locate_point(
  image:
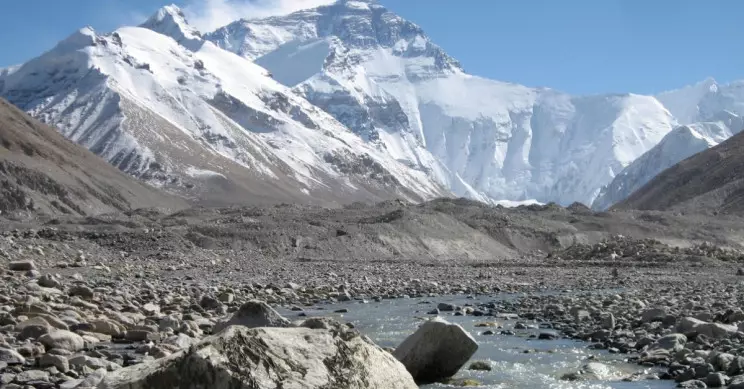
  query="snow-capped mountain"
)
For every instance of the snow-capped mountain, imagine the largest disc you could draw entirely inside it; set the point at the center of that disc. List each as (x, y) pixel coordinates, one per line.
(381, 76)
(710, 114)
(704, 101)
(163, 104)
(682, 143)
(348, 101)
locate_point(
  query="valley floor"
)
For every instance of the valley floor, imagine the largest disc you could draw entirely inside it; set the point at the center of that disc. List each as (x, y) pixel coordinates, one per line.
(154, 277)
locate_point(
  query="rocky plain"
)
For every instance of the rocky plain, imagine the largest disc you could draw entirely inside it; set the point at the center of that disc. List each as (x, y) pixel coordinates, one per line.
(158, 299)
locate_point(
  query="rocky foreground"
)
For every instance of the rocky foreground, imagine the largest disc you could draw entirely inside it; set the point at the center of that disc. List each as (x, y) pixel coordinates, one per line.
(81, 325)
(86, 301)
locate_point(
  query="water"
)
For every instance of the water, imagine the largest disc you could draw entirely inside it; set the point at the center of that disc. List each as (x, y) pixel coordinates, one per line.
(391, 321)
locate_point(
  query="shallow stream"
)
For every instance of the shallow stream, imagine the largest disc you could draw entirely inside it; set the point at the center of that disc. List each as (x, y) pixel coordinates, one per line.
(517, 362)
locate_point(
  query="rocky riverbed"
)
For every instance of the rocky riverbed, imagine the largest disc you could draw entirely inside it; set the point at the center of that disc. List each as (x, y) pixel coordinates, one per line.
(81, 299)
(62, 324)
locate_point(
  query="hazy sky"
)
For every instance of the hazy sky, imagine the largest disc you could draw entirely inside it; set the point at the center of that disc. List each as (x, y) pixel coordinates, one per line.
(577, 46)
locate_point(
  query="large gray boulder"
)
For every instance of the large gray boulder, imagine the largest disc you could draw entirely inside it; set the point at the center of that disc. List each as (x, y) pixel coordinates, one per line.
(263, 358)
(711, 330)
(62, 339)
(437, 350)
(253, 314)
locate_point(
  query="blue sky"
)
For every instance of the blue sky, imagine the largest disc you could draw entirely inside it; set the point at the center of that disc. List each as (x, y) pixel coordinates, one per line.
(577, 46)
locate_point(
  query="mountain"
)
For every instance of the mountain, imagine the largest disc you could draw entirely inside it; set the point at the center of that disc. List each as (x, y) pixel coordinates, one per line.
(383, 78)
(704, 101)
(711, 113)
(710, 181)
(42, 172)
(162, 104)
(681, 143)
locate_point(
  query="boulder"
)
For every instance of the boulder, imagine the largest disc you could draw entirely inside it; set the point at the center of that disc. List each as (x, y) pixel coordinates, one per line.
(298, 357)
(11, 356)
(253, 314)
(437, 350)
(107, 327)
(592, 371)
(22, 266)
(653, 314)
(62, 339)
(711, 330)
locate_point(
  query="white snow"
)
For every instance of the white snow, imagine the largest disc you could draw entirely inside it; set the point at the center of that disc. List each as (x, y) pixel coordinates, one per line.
(226, 104)
(484, 139)
(681, 143)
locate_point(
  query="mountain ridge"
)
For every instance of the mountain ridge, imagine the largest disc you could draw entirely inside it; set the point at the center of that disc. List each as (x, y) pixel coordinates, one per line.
(195, 119)
(404, 117)
(41, 172)
(710, 181)
(382, 77)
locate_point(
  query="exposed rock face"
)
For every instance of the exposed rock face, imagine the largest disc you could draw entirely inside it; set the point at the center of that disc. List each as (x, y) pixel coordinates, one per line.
(263, 358)
(253, 314)
(437, 350)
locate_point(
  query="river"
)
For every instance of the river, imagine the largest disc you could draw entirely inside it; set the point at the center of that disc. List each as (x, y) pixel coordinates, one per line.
(517, 361)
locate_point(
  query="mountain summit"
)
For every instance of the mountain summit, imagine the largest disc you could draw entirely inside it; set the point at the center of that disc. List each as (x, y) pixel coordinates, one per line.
(382, 77)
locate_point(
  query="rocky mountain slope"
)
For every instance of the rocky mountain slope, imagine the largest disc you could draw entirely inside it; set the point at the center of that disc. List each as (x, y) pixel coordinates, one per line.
(681, 143)
(164, 105)
(710, 181)
(383, 77)
(42, 172)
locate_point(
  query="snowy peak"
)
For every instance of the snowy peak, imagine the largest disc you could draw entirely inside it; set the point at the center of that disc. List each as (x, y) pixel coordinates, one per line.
(171, 21)
(705, 100)
(683, 142)
(200, 120)
(358, 25)
(685, 103)
(81, 38)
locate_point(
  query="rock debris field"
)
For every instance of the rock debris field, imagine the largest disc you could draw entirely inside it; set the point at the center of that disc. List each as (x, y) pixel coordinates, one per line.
(150, 299)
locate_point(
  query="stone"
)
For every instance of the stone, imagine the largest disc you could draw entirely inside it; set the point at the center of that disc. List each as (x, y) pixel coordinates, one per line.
(62, 339)
(437, 350)
(692, 384)
(548, 336)
(93, 380)
(480, 365)
(592, 371)
(209, 303)
(253, 314)
(81, 291)
(608, 321)
(33, 331)
(297, 357)
(700, 327)
(716, 380)
(653, 314)
(32, 328)
(445, 307)
(31, 375)
(107, 327)
(11, 357)
(58, 361)
(139, 335)
(22, 266)
(48, 281)
(227, 298)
